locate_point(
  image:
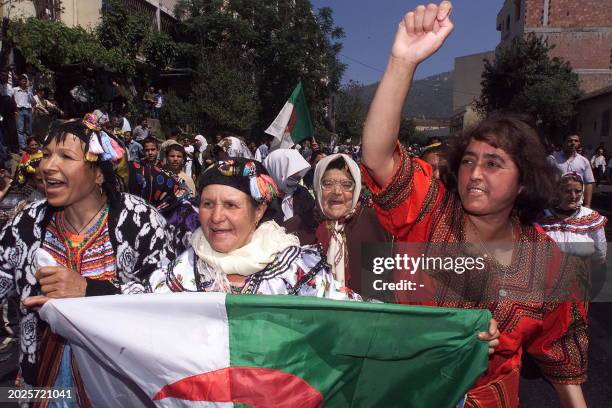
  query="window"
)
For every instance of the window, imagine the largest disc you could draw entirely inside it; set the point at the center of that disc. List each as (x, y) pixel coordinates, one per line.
(517, 10)
(605, 123)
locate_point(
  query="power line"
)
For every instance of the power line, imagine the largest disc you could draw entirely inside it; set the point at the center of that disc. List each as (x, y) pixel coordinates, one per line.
(362, 63)
(381, 71)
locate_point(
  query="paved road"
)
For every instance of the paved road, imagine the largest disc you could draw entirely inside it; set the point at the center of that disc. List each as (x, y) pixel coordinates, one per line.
(536, 392)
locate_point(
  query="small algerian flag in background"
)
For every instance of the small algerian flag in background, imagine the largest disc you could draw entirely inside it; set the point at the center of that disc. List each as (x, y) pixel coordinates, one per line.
(216, 350)
(293, 123)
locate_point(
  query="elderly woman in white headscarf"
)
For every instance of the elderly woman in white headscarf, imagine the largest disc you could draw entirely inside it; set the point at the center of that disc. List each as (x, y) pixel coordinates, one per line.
(287, 167)
(347, 222)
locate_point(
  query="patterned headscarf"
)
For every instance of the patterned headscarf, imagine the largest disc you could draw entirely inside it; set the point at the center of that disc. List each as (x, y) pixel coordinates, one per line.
(246, 175)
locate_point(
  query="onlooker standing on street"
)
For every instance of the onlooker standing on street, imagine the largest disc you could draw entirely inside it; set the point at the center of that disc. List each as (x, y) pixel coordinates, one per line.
(8, 131)
(150, 100)
(598, 163)
(141, 132)
(24, 100)
(159, 102)
(134, 149)
(569, 160)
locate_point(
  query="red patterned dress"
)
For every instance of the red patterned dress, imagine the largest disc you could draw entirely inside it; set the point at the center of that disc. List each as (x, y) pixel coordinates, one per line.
(416, 208)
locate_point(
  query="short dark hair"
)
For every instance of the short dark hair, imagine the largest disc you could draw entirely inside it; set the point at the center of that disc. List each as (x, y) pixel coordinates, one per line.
(150, 140)
(523, 145)
(34, 138)
(177, 148)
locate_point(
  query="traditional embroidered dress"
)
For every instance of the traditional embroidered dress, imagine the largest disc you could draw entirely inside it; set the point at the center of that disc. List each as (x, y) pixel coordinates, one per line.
(416, 208)
(273, 263)
(140, 244)
(582, 233)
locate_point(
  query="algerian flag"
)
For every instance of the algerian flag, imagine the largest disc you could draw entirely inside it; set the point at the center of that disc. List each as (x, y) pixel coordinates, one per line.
(293, 123)
(196, 349)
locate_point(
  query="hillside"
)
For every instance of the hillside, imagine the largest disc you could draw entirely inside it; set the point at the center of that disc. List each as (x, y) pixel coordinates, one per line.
(430, 97)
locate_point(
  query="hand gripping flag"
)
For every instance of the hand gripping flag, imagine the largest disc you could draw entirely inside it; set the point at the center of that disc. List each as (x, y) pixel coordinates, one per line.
(293, 123)
(195, 349)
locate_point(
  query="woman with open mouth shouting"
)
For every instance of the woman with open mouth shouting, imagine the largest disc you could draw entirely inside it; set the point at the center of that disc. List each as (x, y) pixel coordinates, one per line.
(85, 239)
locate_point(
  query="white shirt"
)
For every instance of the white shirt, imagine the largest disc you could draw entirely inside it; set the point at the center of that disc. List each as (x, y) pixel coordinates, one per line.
(23, 97)
(577, 163)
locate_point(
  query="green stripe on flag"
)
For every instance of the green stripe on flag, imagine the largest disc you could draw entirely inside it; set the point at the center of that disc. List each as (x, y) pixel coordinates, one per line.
(361, 354)
(302, 127)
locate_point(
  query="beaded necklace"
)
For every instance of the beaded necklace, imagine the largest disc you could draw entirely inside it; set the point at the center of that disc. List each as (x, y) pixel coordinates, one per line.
(76, 243)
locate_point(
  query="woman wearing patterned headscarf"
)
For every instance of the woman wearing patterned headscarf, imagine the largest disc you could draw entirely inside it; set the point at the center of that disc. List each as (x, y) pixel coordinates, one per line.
(238, 249)
(86, 239)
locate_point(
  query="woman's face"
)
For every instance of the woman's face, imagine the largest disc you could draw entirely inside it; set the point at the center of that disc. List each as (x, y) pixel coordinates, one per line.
(228, 217)
(488, 180)
(337, 187)
(571, 194)
(67, 178)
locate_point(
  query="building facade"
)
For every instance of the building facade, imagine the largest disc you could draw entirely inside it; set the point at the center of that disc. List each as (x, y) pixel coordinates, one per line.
(594, 120)
(581, 32)
(87, 13)
(467, 78)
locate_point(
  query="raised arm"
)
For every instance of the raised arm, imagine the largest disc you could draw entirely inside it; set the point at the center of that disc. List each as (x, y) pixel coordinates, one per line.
(420, 34)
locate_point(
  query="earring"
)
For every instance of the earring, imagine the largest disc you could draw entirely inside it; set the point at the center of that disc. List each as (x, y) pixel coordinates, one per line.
(101, 190)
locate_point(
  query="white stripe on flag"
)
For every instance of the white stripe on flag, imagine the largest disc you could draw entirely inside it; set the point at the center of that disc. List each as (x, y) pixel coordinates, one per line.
(277, 128)
(119, 338)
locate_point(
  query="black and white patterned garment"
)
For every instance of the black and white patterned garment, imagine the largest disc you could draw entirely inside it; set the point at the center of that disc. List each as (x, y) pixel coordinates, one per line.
(140, 240)
(298, 271)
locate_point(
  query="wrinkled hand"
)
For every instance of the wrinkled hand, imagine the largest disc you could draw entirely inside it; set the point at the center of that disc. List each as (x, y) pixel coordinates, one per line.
(56, 282)
(492, 336)
(422, 32)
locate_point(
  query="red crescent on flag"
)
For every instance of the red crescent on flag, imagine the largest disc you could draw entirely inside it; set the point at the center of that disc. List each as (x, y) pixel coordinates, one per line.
(253, 386)
(292, 122)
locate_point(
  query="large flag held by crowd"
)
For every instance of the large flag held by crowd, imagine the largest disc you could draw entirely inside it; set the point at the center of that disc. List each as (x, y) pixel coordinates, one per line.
(195, 349)
(293, 123)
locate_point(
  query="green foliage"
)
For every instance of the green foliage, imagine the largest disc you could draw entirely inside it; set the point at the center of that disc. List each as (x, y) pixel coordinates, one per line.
(524, 79)
(408, 133)
(48, 45)
(227, 96)
(350, 111)
(272, 44)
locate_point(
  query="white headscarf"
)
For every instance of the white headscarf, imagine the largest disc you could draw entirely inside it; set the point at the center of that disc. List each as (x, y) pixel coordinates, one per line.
(235, 147)
(337, 251)
(203, 142)
(282, 164)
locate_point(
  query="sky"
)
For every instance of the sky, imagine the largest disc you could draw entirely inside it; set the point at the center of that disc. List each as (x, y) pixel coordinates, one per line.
(370, 26)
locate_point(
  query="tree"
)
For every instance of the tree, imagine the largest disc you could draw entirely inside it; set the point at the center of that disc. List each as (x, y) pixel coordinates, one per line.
(273, 45)
(524, 79)
(350, 112)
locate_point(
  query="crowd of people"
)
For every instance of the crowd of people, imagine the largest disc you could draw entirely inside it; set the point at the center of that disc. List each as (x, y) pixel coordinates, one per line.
(96, 207)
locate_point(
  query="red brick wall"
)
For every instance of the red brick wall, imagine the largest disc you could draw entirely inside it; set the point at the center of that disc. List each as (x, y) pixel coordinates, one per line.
(534, 13)
(580, 13)
(590, 83)
(583, 49)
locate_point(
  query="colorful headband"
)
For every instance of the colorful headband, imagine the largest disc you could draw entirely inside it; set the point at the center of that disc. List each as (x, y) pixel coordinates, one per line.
(243, 174)
(574, 175)
(263, 188)
(101, 146)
